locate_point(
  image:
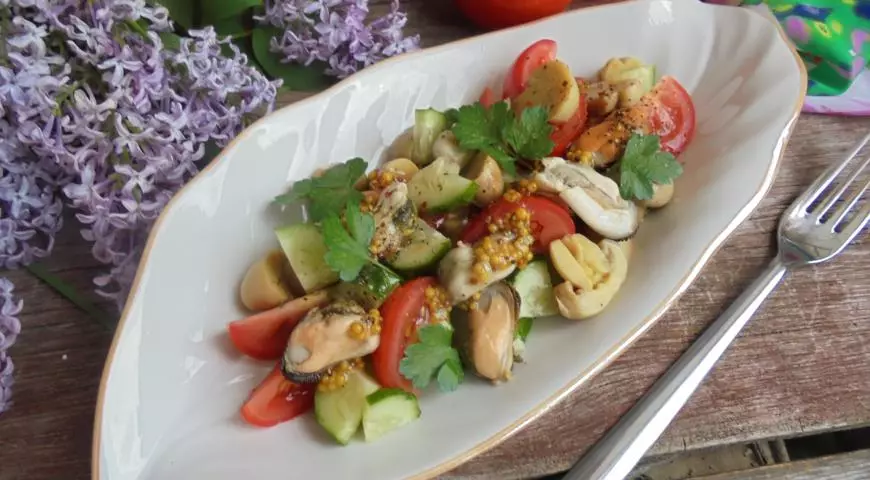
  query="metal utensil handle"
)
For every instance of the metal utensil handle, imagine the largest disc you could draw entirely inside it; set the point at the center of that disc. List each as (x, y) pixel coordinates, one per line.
(615, 455)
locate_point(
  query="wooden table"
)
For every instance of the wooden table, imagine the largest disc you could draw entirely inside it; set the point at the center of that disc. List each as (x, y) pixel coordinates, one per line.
(800, 367)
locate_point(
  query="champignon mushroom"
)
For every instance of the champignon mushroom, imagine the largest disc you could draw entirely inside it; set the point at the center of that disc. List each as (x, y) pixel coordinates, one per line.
(576, 302)
(486, 173)
(263, 286)
(486, 333)
(592, 196)
(325, 337)
(454, 272)
(447, 146)
(394, 216)
(403, 145)
(601, 98)
(662, 195)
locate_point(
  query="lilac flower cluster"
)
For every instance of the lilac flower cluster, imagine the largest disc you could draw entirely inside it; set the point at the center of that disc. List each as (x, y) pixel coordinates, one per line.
(335, 32)
(10, 327)
(99, 111)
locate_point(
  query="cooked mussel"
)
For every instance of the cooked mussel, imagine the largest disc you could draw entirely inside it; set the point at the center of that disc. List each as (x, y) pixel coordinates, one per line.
(394, 216)
(486, 332)
(326, 337)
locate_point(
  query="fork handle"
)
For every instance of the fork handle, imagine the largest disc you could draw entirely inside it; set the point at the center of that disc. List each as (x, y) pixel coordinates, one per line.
(615, 455)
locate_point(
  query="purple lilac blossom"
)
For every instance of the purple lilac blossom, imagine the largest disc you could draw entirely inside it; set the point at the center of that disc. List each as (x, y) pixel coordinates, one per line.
(94, 110)
(335, 32)
(10, 327)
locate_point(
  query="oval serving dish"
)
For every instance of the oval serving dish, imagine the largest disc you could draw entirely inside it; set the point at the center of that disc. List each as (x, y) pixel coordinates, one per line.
(172, 386)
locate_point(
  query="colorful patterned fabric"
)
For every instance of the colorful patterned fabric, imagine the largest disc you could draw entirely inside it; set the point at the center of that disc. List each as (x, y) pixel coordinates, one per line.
(833, 39)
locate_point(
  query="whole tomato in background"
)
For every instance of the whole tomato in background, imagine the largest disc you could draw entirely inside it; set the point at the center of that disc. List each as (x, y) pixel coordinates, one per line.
(493, 14)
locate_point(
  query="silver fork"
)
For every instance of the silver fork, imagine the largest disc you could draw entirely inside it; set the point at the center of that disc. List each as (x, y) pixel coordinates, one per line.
(815, 228)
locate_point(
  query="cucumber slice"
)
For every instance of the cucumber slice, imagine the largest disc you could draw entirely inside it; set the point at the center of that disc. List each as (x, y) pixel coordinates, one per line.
(439, 187)
(303, 246)
(535, 288)
(340, 412)
(371, 288)
(425, 248)
(386, 410)
(428, 124)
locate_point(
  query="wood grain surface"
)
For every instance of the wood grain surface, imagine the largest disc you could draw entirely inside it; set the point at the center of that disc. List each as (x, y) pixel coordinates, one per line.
(800, 367)
(847, 466)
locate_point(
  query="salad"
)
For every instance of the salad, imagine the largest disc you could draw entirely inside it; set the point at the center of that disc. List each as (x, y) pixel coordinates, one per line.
(438, 262)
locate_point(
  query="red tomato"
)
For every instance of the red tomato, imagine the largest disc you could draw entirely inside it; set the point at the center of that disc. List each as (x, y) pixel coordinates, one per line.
(264, 335)
(532, 57)
(488, 97)
(277, 400)
(550, 220)
(493, 14)
(674, 118)
(402, 313)
(565, 133)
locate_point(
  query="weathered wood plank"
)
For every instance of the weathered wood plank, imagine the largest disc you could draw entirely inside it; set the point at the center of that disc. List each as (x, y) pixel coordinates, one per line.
(846, 466)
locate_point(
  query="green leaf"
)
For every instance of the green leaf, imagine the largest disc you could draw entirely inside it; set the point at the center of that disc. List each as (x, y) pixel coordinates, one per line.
(533, 132)
(296, 77)
(345, 254)
(330, 192)
(433, 357)
(70, 293)
(361, 225)
(643, 165)
(181, 12)
(170, 40)
(232, 26)
(215, 10)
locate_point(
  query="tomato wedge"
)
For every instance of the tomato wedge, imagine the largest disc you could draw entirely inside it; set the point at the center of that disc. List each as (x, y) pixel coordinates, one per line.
(277, 400)
(532, 57)
(264, 335)
(488, 97)
(493, 14)
(565, 133)
(550, 220)
(401, 314)
(673, 120)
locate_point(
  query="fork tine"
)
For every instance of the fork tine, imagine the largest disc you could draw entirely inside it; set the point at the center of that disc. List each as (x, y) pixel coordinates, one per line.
(851, 230)
(812, 193)
(830, 200)
(849, 203)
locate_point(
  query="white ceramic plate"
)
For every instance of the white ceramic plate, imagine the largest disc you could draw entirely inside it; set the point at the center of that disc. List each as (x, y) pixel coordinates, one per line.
(171, 391)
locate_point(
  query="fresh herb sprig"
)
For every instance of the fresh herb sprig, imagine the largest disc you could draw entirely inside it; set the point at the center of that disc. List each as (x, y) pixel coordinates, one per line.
(501, 134)
(330, 192)
(347, 249)
(643, 165)
(433, 357)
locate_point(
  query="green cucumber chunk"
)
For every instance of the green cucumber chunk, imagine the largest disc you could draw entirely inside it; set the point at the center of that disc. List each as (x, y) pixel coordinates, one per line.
(340, 412)
(440, 188)
(428, 124)
(386, 410)
(424, 249)
(374, 284)
(303, 246)
(535, 288)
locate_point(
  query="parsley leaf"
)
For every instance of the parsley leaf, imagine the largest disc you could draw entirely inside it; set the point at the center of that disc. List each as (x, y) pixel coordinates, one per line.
(348, 252)
(643, 165)
(433, 356)
(329, 192)
(500, 134)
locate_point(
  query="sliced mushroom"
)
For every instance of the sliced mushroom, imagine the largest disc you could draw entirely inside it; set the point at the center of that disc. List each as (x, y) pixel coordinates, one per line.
(323, 338)
(662, 195)
(601, 98)
(579, 303)
(486, 173)
(487, 332)
(447, 146)
(592, 196)
(394, 217)
(454, 272)
(403, 145)
(263, 286)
